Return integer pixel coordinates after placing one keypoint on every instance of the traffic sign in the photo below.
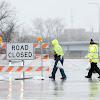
(20, 51)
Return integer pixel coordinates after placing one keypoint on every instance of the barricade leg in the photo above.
(23, 78)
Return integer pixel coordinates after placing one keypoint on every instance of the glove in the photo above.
(55, 56)
(59, 57)
(90, 60)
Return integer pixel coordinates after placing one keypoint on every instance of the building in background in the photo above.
(70, 35)
(75, 42)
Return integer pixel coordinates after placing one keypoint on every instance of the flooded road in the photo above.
(75, 87)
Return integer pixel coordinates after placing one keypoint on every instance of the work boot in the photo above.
(87, 77)
(99, 77)
(63, 78)
(52, 77)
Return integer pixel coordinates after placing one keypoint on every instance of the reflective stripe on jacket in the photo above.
(93, 53)
(57, 48)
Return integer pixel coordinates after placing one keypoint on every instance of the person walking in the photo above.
(93, 59)
(58, 56)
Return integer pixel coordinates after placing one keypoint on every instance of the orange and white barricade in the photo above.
(2, 45)
(2, 56)
(44, 56)
(36, 56)
(25, 68)
(44, 45)
(22, 68)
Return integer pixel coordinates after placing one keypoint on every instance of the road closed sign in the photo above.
(20, 51)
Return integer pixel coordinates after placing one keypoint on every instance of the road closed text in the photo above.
(20, 51)
(20, 54)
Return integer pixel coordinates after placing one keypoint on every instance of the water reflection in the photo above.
(93, 89)
(58, 87)
(22, 90)
(10, 86)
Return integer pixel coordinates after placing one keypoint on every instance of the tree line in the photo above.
(48, 29)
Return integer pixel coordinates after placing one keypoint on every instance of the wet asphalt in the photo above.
(75, 87)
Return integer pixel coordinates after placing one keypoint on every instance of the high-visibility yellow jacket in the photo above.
(93, 53)
(57, 48)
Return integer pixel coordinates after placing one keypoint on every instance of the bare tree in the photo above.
(25, 36)
(8, 21)
(58, 27)
(5, 10)
(8, 29)
(54, 27)
(48, 29)
(38, 27)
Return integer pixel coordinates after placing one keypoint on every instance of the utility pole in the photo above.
(71, 19)
(99, 22)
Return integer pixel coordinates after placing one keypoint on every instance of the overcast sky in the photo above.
(84, 15)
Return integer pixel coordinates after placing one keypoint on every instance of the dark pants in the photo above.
(94, 67)
(55, 68)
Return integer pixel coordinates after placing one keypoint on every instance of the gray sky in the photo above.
(84, 15)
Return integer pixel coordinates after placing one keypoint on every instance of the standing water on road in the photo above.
(75, 87)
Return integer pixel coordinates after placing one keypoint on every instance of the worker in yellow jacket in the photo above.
(58, 56)
(93, 58)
